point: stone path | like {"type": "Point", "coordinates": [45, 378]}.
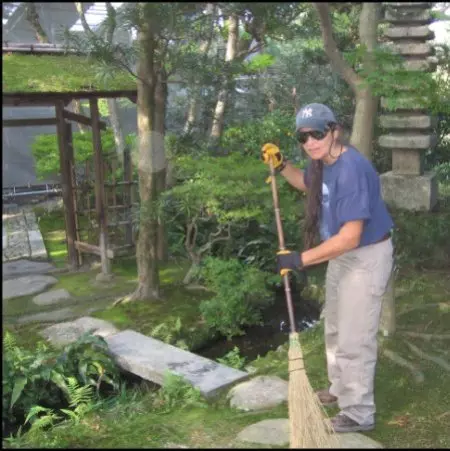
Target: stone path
{"type": "Point", "coordinates": [21, 237]}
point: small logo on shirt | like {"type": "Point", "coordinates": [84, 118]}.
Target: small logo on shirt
{"type": "Point", "coordinates": [307, 112]}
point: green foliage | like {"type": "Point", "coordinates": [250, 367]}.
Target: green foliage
{"type": "Point", "coordinates": [46, 152]}
{"type": "Point", "coordinates": [422, 239]}
{"type": "Point", "coordinates": [53, 378]}
{"type": "Point", "coordinates": [177, 393]}
{"type": "Point", "coordinates": [248, 138]}
{"type": "Point", "coordinates": [241, 292]}
{"type": "Point", "coordinates": [58, 73]}
{"type": "Point", "coordinates": [233, 359]}
{"type": "Point", "coordinates": [170, 332]}
{"type": "Point", "coordinates": [223, 201]}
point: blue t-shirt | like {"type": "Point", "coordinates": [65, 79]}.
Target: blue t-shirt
{"type": "Point", "coordinates": [351, 191]}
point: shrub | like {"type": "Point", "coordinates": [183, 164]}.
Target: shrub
{"type": "Point", "coordinates": [241, 293]}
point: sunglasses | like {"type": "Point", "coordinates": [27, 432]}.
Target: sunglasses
{"type": "Point", "coordinates": [302, 137]}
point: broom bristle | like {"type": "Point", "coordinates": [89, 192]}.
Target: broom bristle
{"type": "Point", "coordinates": [309, 424]}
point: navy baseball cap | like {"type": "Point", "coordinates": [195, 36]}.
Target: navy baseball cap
{"type": "Point", "coordinates": [315, 115]}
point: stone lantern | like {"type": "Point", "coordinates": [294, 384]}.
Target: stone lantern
{"type": "Point", "coordinates": [409, 129]}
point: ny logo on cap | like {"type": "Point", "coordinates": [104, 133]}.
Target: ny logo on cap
{"type": "Point", "coordinates": [307, 112]}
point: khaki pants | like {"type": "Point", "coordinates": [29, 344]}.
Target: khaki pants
{"type": "Point", "coordinates": [355, 284]}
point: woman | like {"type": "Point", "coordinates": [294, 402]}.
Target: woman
{"type": "Point", "coordinates": [344, 204]}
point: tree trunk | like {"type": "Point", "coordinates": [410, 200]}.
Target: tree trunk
{"type": "Point", "coordinates": [364, 122]}
{"type": "Point", "coordinates": [195, 96]}
{"type": "Point", "coordinates": [366, 103]}
{"type": "Point", "coordinates": [219, 111]}
{"type": "Point", "coordinates": [161, 93]}
{"type": "Point", "coordinates": [150, 171]}
{"type": "Point", "coordinates": [33, 18]}
{"type": "Point", "coordinates": [114, 117]}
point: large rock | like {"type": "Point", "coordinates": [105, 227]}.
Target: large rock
{"type": "Point", "coordinates": [23, 286]}
{"type": "Point", "coordinates": [25, 267]}
{"type": "Point", "coordinates": [52, 297]}
{"type": "Point", "coordinates": [261, 392]}
{"type": "Point", "coordinates": [64, 333]}
{"type": "Point", "coordinates": [276, 433]}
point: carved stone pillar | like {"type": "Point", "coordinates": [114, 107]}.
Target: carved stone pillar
{"type": "Point", "coordinates": [408, 128]}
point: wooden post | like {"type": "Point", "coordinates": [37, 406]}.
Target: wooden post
{"type": "Point", "coordinates": [127, 188]}
{"type": "Point", "coordinates": [73, 191]}
{"type": "Point", "coordinates": [99, 187]}
{"type": "Point", "coordinates": [66, 185]}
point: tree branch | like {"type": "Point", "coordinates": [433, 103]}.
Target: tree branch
{"type": "Point", "coordinates": [427, 336]}
{"type": "Point", "coordinates": [337, 61]}
{"type": "Point", "coordinates": [417, 374]}
{"type": "Point", "coordinates": [438, 360]}
{"type": "Point", "coordinates": [110, 22]}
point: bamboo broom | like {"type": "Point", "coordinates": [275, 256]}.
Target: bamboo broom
{"type": "Point", "coordinates": [308, 423]}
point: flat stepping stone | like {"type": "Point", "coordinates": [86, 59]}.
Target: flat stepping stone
{"type": "Point", "coordinates": [64, 333]}
{"type": "Point", "coordinates": [273, 432]}
{"type": "Point", "coordinates": [26, 285]}
{"type": "Point", "coordinates": [150, 359]}
{"type": "Point", "coordinates": [25, 267]}
{"type": "Point", "coordinates": [52, 297]}
{"type": "Point", "coordinates": [54, 315]}
{"type": "Point", "coordinates": [276, 432]}
{"type": "Point", "coordinates": [259, 393]}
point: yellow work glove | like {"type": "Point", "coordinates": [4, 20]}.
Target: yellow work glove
{"type": "Point", "coordinates": [271, 152]}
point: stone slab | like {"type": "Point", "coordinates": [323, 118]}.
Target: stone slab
{"type": "Point", "coordinates": [25, 267]}
{"type": "Point", "coordinates": [52, 316]}
{"type": "Point", "coordinates": [422, 17]}
{"type": "Point", "coordinates": [26, 285]}
{"type": "Point", "coordinates": [416, 32]}
{"type": "Point", "coordinates": [275, 432]}
{"type": "Point", "coordinates": [151, 359]}
{"type": "Point", "coordinates": [64, 333]}
{"type": "Point", "coordinates": [407, 141]}
{"type": "Point", "coordinates": [414, 49]}
{"type": "Point", "coordinates": [405, 121]}
{"type": "Point", "coordinates": [410, 192]}
{"type": "Point", "coordinates": [51, 297]}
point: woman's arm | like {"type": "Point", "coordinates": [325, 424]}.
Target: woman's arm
{"type": "Point", "coordinates": [348, 238]}
{"type": "Point", "coordinates": [295, 176]}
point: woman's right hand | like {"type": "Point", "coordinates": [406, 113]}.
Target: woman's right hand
{"type": "Point", "coordinates": [271, 152]}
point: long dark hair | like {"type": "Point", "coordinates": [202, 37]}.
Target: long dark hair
{"type": "Point", "coordinates": [314, 196]}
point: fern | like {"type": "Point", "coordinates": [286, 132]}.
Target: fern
{"type": "Point", "coordinates": [9, 342]}
{"type": "Point", "coordinates": [79, 394]}
{"type": "Point", "coordinates": [43, 421]}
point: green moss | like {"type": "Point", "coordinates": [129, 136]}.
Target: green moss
{"type": "Point", "coordinates": [58, 73]}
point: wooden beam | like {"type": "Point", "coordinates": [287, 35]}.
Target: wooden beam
{"type": "Point", "coordinates": [99, 187]}
{"type": "Point", "coordinates": [82, 119]}
{"type": "Point", "coordinates": [50, 98]}
{"type": "Point", "coordinates": [66, 185]}
{"type": "Point", "coordinates": [91, 249]}
{"type": "Point", "coordinates": [29, 122]}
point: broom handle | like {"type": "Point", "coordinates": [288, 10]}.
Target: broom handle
{"type": "Point", "coordinates": [287, 288]}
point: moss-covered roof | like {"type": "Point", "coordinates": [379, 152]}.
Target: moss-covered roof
{"type": "Point", "coordinates": [58, 73]}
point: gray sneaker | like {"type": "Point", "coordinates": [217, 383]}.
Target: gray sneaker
{"type": "Point", "coordinates": [342, 423]}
